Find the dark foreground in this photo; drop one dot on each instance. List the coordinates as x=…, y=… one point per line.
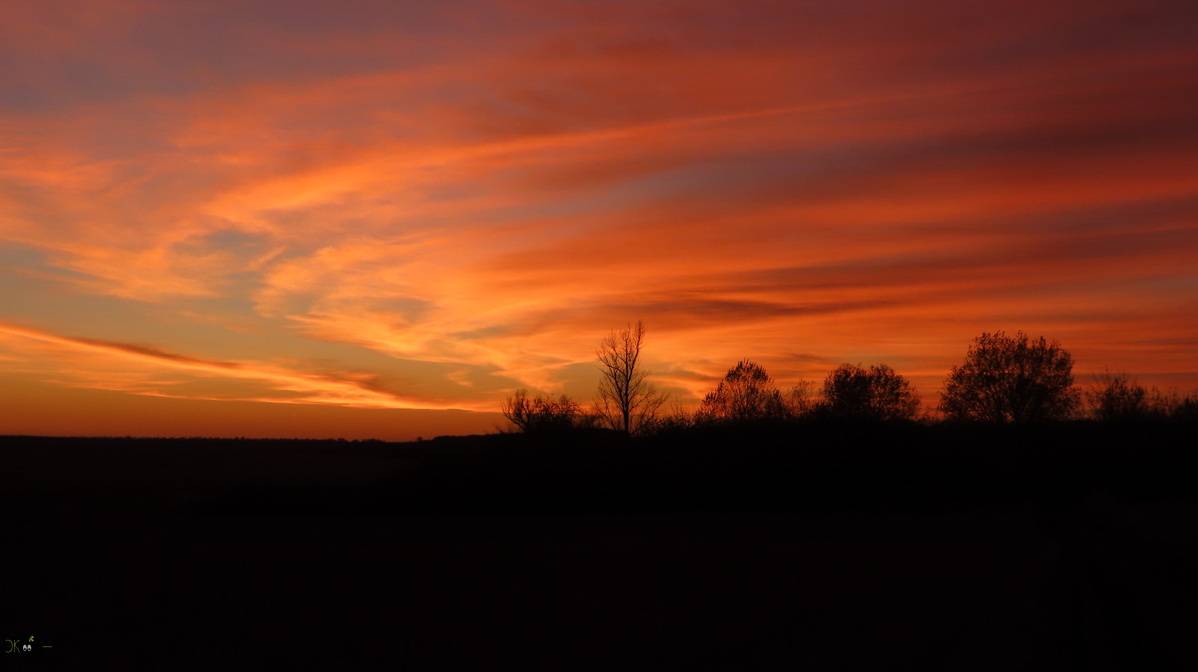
x=916, y=548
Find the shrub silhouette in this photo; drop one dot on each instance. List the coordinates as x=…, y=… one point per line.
x=1117, y=398
x=1185, y=410
x=626, y=399
x=542, y=414
x=801, y=401
x=746, y=393
x=877, y=393
x=673, y=422
x=1011, y=379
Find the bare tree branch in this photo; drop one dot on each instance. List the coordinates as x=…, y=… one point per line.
x=626, y=398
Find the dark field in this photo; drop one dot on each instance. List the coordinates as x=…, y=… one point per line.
x=808, y=547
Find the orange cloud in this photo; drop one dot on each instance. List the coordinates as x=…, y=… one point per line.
x=437, y=204
x=145, y=370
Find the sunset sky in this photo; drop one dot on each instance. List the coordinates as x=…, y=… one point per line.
x=341, y=219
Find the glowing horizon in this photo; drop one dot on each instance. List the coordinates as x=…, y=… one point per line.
x=339, y=223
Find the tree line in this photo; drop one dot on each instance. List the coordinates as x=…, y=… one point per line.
x=1004, y=379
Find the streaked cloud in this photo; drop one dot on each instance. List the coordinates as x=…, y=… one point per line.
x=427, y=206
x=149, y=371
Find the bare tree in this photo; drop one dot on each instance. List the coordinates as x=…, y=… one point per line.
x=626, y=399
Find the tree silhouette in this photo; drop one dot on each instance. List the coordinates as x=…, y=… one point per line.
x=877, y=393
x=626, y=399
x=1011, y=379
x=801, y=400
x=541, y=414
x=746, y=393
x=1185, y=410
x=1116, y=398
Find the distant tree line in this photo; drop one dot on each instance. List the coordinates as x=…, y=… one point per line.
x=1004, y=379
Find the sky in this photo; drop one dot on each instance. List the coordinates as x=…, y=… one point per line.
x=376, y=219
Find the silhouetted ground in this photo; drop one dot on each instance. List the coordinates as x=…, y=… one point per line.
x=800, y=547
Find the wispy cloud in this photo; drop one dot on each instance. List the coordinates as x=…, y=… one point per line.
x=480, y=191
x=149, y=371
